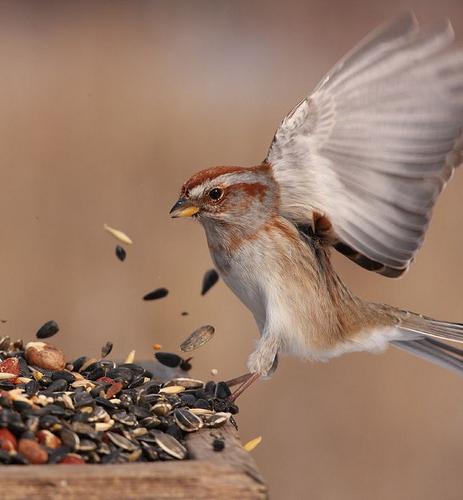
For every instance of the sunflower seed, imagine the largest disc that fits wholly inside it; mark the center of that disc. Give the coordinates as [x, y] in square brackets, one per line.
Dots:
[121, 254]
[104, 426]
[124, 418]
[168, 359]
[187, 383]
[209, 280]
[70, 438]
[170, 445]
[87, 445]
[106, 349]
[162, 408]
[48, 329]
[159, 293]
[198, 338]
[118, 234]
[216, 419]
[187, 421]
[122, 442]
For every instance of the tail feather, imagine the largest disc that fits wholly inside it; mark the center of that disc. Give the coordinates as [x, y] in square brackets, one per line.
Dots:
[437, 352]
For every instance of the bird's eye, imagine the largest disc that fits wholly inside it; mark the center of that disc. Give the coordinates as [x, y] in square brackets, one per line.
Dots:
[215, 194]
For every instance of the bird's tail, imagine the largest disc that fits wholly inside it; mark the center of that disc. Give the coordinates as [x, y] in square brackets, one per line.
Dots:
[427, 342]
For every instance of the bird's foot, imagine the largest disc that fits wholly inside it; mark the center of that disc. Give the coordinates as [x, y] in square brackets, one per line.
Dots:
[243, 382]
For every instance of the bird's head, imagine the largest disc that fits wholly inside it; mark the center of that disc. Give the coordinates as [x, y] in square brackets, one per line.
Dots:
[228, 195]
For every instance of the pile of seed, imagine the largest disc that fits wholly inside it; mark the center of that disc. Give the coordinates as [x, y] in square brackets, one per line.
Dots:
[97, 410]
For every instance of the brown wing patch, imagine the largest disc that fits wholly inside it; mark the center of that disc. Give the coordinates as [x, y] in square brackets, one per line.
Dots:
[367, 263]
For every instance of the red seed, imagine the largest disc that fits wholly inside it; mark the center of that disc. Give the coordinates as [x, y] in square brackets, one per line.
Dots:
[32, 451]
[10, 365]
[7, 441]
[106, 380]
[113, 390]
[72, 458]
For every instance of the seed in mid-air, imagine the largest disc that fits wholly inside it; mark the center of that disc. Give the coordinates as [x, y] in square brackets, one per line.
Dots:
[106, 349]
[198, 338]
[250, 445]
[48, 329]
[159, 293]
[119, 235]
[209, 280]
[121, 254]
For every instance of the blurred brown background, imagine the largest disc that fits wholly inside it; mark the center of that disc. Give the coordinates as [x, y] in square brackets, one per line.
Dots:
[105, 109]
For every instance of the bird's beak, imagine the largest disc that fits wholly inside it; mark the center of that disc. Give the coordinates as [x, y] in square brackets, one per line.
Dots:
[183, 208]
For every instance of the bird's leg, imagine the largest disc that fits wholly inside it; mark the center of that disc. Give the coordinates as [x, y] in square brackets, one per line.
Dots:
[251, 378]
[238, 380]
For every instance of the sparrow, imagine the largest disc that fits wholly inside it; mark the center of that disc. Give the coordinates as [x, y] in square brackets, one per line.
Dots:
[355, 167]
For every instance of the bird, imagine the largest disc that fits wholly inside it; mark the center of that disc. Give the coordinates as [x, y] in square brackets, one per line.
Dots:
[356, 167]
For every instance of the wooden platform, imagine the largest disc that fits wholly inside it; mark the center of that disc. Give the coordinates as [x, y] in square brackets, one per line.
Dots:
[226, 475]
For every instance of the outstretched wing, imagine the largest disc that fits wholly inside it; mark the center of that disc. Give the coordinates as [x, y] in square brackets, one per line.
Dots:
[373, 146]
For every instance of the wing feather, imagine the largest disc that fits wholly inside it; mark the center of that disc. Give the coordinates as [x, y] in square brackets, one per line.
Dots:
[375, 143]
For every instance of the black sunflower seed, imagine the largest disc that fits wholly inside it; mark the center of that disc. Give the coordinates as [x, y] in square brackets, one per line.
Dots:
[59, 385]
[48, 329]
[106, 349]
[168, 359]
[159, 293]
[63, 375]
[222, 391]
[209, 280]
[58, 454]
[120, 253]
[78, 363]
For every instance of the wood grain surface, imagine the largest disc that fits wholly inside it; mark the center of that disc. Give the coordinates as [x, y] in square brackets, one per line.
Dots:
[230, 474]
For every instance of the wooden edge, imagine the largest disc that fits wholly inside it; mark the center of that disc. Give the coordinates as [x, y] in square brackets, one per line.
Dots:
[230, 474]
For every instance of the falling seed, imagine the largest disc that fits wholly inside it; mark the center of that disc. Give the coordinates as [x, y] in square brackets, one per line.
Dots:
[121, 254]
[119, 235]
[209, 280]
[168, 359]
[250, 445]
[198, 338]
[159, 293]
[48, 329]
[185, 313]
[157, 347]
[130, 357]
[214, 372]
[106, 349]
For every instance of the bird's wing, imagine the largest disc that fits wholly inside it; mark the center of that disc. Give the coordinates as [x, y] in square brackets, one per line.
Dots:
[372, 147]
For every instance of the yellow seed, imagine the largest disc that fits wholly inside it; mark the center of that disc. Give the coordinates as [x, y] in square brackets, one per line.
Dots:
[172, 389]
[250, 445]
[119, 235]
[157, 347]
[130, 357]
